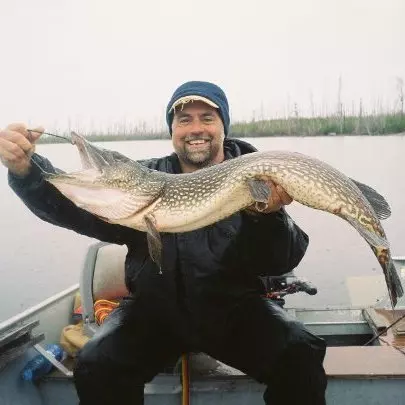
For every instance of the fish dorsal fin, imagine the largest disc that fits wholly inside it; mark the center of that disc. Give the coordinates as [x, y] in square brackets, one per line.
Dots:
[376, 200]
[372, 238]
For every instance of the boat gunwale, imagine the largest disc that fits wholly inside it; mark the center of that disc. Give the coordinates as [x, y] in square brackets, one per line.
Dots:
[28, 313]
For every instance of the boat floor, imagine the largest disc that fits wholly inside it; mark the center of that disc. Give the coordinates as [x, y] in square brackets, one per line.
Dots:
[349, 362]
[385, 359]
[358, 375]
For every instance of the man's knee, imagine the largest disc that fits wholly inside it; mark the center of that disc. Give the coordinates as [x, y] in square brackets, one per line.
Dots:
[302, 339]
[304, 355]
[89, 355]
[300, 365]
[92, 366]
[87, 363]
[97, 377]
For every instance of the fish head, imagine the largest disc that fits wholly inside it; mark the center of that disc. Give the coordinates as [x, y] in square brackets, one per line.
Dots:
[94, 157]
[110, 185]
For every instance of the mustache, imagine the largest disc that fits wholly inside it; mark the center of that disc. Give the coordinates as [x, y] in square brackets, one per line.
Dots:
[190, 138]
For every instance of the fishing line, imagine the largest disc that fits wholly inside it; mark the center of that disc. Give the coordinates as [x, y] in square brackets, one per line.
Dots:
[384, 330]
[45, 133]
[48, 133]
[393, 346]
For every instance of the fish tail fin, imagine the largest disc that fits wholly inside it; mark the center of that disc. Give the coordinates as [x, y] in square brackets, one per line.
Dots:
[394, 283]
[392, 279]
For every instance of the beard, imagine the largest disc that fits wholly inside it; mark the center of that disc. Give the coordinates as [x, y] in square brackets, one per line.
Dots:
[198, 157]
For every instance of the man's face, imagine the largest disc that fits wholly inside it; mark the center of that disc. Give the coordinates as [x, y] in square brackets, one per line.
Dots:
[197, 135]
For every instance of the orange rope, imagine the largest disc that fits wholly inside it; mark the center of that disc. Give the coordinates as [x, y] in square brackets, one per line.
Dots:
[102, 308]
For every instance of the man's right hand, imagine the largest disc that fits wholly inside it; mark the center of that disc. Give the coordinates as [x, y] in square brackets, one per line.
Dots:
[17, 146]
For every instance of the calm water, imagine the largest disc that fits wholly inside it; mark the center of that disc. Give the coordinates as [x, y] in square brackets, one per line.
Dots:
[38, 259]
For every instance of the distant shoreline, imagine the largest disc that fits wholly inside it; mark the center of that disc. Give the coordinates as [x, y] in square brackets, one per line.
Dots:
[121, 138]
[336, 125]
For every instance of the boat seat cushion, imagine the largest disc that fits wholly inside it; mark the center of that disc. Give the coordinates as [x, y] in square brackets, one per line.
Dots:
[109, 278]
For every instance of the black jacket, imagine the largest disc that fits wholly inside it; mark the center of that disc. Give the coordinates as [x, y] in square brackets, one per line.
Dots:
[205, 271]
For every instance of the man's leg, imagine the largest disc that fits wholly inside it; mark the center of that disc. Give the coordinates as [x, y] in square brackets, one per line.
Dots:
[129, 349]
[266, 344]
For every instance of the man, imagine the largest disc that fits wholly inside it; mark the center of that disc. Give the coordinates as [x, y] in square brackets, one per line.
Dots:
[209, 297]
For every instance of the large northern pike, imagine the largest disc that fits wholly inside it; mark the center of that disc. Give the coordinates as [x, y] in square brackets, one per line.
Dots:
[122, 191]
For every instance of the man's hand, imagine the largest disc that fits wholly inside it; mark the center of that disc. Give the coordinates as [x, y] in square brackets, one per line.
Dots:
[17, 145]
[278, 198]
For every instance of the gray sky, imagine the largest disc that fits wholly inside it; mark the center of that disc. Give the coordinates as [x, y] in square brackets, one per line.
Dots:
[95, 63]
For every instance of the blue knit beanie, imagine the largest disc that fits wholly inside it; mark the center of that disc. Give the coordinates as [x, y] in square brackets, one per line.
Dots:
[203, 91]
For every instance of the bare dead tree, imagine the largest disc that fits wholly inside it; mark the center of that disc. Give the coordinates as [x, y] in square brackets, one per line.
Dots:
[400, 88]
[340, 105]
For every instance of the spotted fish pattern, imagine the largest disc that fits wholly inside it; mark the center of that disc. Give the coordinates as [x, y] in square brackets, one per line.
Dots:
[124, 192]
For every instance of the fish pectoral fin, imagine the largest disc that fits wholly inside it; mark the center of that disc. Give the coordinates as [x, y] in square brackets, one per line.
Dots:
[260, 192]
[371, 237]
[154, 240]
[376, 200]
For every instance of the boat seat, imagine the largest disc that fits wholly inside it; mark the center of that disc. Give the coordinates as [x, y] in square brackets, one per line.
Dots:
[366, 362]
[102, 277]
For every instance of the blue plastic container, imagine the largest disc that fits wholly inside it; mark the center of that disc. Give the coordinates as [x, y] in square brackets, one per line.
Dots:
[39, 365]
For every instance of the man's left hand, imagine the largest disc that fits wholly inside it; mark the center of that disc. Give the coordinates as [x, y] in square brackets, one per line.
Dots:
[278, 198]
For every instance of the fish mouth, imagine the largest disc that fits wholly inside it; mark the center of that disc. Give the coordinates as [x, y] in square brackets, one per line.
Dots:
[91, 156]
[93, 161]
[94, 157]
